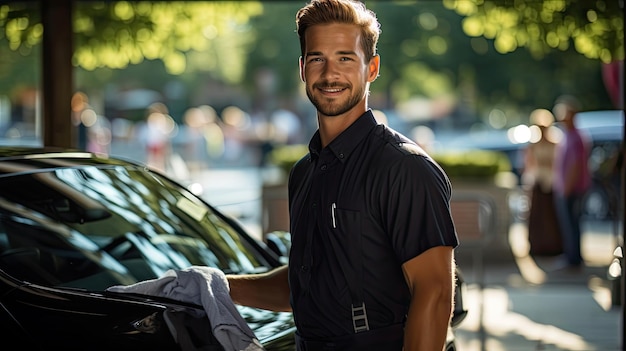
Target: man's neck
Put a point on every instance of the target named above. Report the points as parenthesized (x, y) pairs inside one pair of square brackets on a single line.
[(331, 126)]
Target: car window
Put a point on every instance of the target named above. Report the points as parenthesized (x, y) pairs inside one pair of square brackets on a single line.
[(91, 227)]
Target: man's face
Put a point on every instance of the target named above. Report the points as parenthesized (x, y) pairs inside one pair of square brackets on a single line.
[(334, 68)]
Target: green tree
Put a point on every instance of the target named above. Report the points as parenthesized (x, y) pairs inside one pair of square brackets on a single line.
[(595, 28), (184, 35)]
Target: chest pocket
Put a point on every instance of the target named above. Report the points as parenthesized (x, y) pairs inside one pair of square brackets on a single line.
[(346, 229)]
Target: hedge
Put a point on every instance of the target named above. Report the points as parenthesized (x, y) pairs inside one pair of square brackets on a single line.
[(458, 164)]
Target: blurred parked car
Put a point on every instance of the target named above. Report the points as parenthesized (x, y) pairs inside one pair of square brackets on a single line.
[(606, 129), (73, 224)]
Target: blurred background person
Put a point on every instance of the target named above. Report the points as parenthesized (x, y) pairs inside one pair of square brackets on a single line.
[(191, 137), (94, 130), (571, 179), (240, 140), (156, 134), (213, 134), (201, 138), (544, 234)]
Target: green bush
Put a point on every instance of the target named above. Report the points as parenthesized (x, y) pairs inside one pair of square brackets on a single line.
[(459, 164), (473, 163), (285, 156)]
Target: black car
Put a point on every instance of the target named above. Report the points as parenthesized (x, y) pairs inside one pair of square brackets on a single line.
[(74, 224)]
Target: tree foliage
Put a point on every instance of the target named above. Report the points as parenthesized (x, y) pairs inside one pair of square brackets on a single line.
[(595, 28), (185, 35)]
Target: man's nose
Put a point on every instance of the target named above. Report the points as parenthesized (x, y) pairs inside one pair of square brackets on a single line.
[(331, 70)]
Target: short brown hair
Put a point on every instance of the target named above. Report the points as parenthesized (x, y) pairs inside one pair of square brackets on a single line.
[(340, 11)]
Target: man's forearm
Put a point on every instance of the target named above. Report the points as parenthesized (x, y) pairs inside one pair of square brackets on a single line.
[(268, 291), (427, 327)]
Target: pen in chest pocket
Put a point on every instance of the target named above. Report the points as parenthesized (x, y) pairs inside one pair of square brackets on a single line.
[(333, 206)]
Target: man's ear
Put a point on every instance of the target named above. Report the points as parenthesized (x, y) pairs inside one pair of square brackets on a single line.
[(301, 64), (374, 68)]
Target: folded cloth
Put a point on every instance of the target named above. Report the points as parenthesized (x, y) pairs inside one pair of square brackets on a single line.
[(208, 287)]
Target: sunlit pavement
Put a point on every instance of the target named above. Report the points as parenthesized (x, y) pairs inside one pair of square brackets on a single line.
[(528, 306), (561, 317), (525, 304)]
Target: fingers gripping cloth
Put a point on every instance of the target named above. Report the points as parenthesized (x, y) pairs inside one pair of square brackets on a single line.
[(208, 287)]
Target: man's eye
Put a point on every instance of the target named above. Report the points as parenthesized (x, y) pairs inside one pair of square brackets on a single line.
[(346, 59)]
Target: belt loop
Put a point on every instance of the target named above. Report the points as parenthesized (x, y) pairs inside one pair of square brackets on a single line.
[(359, 318)]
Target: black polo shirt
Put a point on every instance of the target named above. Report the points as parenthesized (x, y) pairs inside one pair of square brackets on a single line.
[(374, 191)]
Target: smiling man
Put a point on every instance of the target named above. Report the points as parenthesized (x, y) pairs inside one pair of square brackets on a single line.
[(371, 265)]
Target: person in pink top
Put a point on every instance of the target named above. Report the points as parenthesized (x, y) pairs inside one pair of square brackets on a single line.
[(571, 178)]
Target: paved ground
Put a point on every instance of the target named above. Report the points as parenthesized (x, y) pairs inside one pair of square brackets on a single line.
[(529, 305)]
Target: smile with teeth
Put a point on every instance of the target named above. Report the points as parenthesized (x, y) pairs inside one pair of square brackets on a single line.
[(331, 90)]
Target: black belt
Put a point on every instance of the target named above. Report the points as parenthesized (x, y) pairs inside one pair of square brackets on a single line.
[(389, 338)]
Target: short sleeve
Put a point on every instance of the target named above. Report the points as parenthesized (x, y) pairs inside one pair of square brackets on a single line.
[(417, 214)]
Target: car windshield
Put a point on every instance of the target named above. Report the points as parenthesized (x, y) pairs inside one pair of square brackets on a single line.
[(93, 227)]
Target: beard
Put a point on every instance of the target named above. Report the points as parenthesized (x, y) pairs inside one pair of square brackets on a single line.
[(334, 106)]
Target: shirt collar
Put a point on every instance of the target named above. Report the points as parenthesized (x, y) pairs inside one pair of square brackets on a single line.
[(343, 145)]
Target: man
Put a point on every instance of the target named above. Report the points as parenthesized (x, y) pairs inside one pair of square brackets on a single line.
[(372, 234), (571, 179)]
